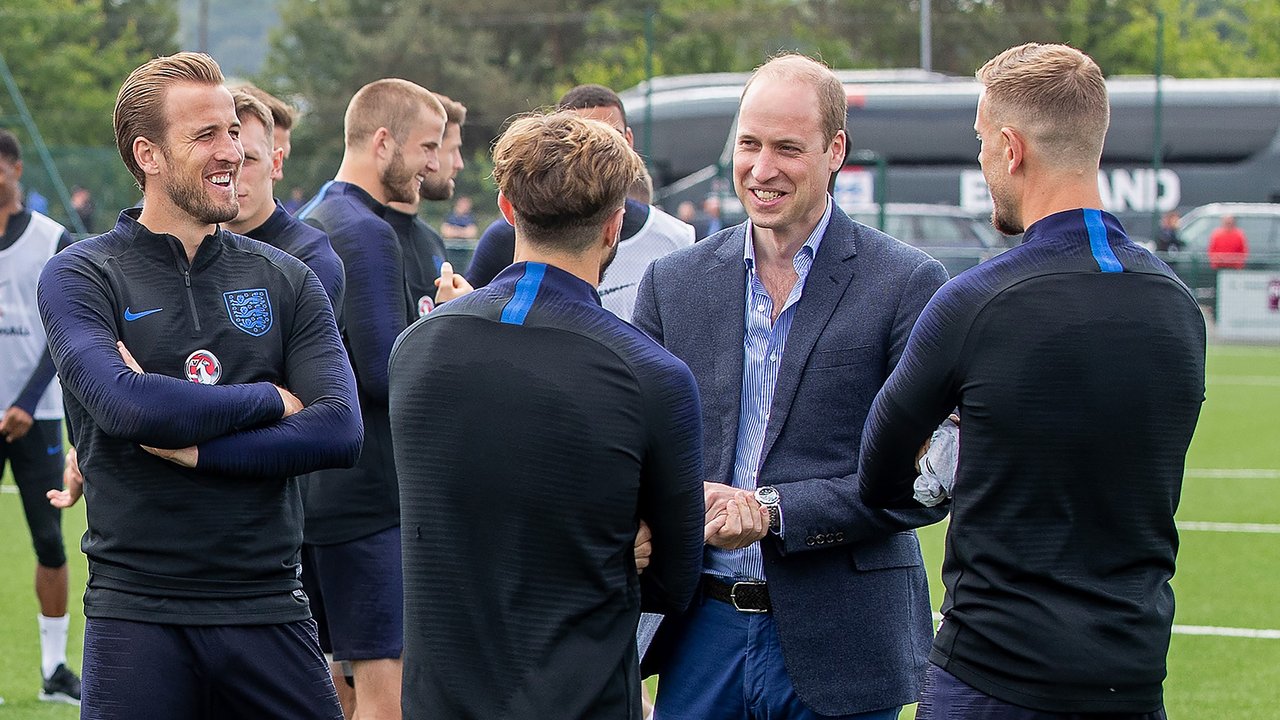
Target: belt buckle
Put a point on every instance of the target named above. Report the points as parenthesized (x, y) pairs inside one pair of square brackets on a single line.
[(733, 596)]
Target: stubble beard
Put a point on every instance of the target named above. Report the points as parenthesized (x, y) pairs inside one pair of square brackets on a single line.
[(194, 201), (398, 181)]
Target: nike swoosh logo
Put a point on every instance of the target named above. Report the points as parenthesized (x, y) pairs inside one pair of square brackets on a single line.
[(130, 316), (54, 449), (606, 291)]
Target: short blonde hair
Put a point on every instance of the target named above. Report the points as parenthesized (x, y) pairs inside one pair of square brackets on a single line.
[(833, 104), (139, 110), (282, 115), (564, 175), (249, 106), (1054, 93), (389, 103)]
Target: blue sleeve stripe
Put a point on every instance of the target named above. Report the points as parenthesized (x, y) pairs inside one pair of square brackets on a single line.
[(305, 210), (1102, 253), (517, 308)]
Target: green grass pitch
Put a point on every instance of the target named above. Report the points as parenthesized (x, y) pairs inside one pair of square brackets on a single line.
[(1225, 579)]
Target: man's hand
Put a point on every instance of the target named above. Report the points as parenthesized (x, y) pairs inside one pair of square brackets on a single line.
[(15, 424), (643, 547), (291, 402), (186, 457), (72, 482), (128, 357), (745, 521), (450, 285)]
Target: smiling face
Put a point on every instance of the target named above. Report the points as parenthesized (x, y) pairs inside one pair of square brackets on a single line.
[(439, 185), (200, 155), (781, 159), (414, 159), (255, 186)]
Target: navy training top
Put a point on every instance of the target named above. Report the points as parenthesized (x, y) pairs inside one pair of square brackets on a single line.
[(310, 245), (345, 505), (423, 252), (534, 429), (219, 543), (1077, 363)]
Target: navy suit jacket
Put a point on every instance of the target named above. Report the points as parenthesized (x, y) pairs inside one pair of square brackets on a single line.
[(847, 583)]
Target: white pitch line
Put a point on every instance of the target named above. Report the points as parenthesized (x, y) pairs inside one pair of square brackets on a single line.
[(9, 489), (1263, 528), (1233, 473), (1211, 630), (1226, 632)]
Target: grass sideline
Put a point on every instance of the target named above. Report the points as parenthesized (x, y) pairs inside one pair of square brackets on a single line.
[(1224, 579)]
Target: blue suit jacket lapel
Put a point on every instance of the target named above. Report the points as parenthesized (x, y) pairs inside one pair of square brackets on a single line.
[(830, 274), (726, 293)]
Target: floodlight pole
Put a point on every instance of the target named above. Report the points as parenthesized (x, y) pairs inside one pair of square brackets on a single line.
[(649, 14), (926, 36)]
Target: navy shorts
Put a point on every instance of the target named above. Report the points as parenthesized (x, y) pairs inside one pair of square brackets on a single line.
[(947, 697), (221, 672), (36, 461), (356, 590)]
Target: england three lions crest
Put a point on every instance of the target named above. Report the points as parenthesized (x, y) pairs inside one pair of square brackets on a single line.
[(249, 310)]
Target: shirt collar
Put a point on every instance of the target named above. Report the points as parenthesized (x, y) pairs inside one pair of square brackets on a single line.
[(810, 247)]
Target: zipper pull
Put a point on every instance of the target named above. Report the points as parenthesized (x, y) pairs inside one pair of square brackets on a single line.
[(186, 277)]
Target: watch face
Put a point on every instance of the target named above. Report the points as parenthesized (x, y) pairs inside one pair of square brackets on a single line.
[(767, 495)]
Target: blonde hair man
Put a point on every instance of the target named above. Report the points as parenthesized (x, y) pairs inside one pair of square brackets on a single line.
[(497, 511), (394, 130), (1077, 363)]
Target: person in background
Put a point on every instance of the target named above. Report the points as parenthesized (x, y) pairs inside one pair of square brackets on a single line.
[(459, 224), (1168, 240), (31, 424), (1228, 247)]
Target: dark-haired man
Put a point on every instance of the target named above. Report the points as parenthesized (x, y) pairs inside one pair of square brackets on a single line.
[(31, 426), (647, 233)]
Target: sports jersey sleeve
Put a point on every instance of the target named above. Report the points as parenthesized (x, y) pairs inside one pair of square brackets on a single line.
[(495, 250), (152, 409), (671, 491), (835, 502), (327, 432), (374, 305), (36, 384), (918, 395)]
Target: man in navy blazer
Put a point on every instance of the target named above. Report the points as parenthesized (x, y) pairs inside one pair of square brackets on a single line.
[(812, 605)]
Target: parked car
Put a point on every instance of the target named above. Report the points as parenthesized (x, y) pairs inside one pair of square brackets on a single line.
[(956, 238), (1260, 223)]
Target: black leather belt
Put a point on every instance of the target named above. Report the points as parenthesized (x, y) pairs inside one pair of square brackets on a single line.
[(750, 596)]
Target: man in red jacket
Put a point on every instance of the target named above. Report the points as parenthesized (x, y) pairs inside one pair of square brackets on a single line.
[(1228, 248)]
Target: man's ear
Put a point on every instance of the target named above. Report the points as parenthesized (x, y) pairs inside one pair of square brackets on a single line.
[(383, 143), (1014, 148), (147, 155), (611, 234), (277, 164), (507, 210)]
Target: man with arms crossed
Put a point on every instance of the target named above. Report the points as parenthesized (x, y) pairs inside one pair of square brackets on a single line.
[(1077, 362), (194, 527), (31, 424), (564, 424), (790, 323), (422, 248), (352, 570)]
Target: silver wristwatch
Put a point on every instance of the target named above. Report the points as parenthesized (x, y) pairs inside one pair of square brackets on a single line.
[(769, 498)]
